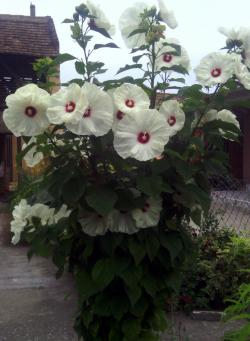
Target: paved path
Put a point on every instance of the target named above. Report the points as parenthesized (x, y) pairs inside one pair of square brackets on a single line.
[(33, 304)]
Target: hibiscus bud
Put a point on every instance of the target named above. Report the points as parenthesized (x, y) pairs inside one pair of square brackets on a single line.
[(82, 10)]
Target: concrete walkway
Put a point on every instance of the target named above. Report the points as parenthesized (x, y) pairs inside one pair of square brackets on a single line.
[(33, 306)]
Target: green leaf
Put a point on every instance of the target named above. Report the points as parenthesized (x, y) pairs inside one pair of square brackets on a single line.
[(137, 58), (78, 81), (152, 247), (137, 31), (101, 199), (73, 189), (134, 294), (107, 304), (62, 58), (85, 284), (131, 329), (137, 251), (129, 67), (104, 271), (140, 48), (175, 68), (159, 322), (140, 308), (80, 67), (152, 186), (100, 30), (150, 284), (68, 21), (172, 243), (132, 275), (180, 80), (110, 45), (94, 66)]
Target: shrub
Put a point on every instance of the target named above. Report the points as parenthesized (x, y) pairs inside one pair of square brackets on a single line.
[(214, 275)]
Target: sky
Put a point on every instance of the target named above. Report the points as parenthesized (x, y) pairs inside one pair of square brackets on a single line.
[(197, 30)]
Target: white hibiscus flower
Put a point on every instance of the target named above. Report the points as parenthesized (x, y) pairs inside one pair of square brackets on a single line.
[(44, 212), (67, 105), (141, 136), (21, 214), (119, 221), (63, 212), (32, 157), (242, 73), (234, 34), (149, 215), (118, 114), (94, 224), (129, 21), (100, 19), (26, 112), (128, 98), (166, 55), (97, 118), (174, 115), (215, 68), (166, 15), (227, 116)]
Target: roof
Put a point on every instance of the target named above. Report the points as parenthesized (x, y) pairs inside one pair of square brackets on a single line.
[(26, 35)]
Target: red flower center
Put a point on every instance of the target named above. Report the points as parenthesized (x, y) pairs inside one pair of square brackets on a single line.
[(167, 57), (143, 137), (146, 207), (70, 106), (172, 120), (119, 115), (30, 111), (87, 113), (130, 103), (216, 72)]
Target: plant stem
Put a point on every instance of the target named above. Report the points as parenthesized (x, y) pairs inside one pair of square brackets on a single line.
[(152, 80)]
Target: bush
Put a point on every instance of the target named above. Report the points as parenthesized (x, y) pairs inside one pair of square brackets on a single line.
[(238, 310), (214, 275)]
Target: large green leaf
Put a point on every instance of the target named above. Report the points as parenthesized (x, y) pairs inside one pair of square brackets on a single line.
[(62, 58), (110, 45), (85, 284), (73, 189), (101, 199), (134, 294), (137, 250), (131, 329), (152, 247), (152, 186), (80, 67), (172, 243), (137, 31), (129, 67)]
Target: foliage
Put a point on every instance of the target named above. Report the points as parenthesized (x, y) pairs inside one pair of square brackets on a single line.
[(239, 310), (214, 274)]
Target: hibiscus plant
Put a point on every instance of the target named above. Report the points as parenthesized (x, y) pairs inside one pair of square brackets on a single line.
[(127, 161)]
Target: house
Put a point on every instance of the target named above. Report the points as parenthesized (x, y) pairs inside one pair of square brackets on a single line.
[(23, 39)]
